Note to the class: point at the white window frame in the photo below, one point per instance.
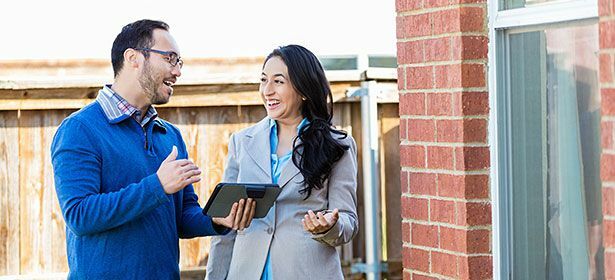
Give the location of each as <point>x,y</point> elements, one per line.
<point>500,22</point>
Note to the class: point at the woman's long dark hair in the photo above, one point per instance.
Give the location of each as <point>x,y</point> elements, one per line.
<point>320,149</point>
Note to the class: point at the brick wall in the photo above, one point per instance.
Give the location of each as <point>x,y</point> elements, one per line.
<point>442,79</point>
<point>606,10</point>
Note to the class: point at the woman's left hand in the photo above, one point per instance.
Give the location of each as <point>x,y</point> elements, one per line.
<point>320,223</point>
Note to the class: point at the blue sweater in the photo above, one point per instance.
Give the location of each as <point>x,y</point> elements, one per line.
<point>119,222</point>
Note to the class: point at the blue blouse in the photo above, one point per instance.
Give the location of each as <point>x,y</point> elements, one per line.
<point>277,164</point>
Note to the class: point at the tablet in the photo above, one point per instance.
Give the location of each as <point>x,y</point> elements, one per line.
<point>225,194</point>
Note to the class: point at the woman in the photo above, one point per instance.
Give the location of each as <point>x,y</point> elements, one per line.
<point>296,147</point>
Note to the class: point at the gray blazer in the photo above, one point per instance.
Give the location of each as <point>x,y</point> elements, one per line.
<point>295,253</point>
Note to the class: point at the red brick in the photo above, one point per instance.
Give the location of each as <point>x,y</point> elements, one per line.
<point>468,1</point>
<point>440,157</point>
<point>408,5</point>
<point>464,19</point>
<point>412,26</point>
<point>449,130</point>
<point>607,35</point>
<point>442,211</point>
<point>410,52</point>
<point>472,158</point>
<point>417,259</point>
<point>478,241</point>
<point>438,49</point>
<point>473,75</point>
<point>476,186</point>
<point>465,131</point>
<point>463,186</point>
<point>607,168</point>
<point>412,156</point>
<point>423,183</point>
<point>422,277</point>
<point>609,233</point>
<point>608,201</point>
<point>401,78</point>
<point>464,75</point>
<point>604,7</point>
<point>609,265</point>
<point>471,104</point>
<point>462,214</point>
<point>418,209</point>
<point>407,275</point>
<point>424,235</point>
<point>403,129</point>
<point>476,213</point>
<point>448,76</point>
<point>439,104</point>
<point>412,104</point>
<point>470,47</point>
<point>445,21</point>
<point>420,77</point>
<point>472,19</point>
<point>476,267</point>
<point>475,130</point>
<point>405,207</point>
<point>444,264</point>
<point>606,68</point>
<point>452,239</point>
<point>405,231</point>
<point>405,183</point>
<point>608,100</point>
<point>436,3</point>
<point>421,130</point>
<point>606,135</point>
<point>451,185</point>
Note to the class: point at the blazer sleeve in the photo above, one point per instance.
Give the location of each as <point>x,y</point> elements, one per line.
<point>342,186</point>
<point>221,249</point>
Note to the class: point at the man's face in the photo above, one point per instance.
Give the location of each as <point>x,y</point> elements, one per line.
<point>158,76</point>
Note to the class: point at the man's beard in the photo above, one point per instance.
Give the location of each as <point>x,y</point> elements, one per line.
<point>150,85</point>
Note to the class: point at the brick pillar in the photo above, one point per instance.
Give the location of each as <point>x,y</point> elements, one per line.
<point>443,108</point>
<point>606,10</point>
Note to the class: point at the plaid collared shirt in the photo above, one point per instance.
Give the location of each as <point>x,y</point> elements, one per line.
<point>114,106</point>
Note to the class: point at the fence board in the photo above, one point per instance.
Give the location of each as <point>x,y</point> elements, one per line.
<point>9,194</point>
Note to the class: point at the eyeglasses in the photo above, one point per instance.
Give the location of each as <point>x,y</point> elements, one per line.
<point>171,56</point>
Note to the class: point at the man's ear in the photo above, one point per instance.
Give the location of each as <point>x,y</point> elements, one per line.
<point>131,58</point>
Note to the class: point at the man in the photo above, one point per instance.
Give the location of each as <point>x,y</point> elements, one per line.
<point>121,173</point>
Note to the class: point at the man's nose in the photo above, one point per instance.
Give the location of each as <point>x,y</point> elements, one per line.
<point>176,71</point>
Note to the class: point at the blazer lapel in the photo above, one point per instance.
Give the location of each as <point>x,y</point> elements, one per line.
<point>288,172</point>
<point>258,146</point>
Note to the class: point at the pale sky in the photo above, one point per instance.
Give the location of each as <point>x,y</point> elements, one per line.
<point>70,29</point>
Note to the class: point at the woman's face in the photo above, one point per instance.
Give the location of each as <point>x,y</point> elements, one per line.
<point>279,96</point>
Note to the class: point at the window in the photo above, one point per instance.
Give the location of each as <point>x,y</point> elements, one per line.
<point>547,120</point>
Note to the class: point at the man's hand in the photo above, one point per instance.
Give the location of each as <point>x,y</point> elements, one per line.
<point>241,215</point>
<point>175,175</point>
<point>321,222</point>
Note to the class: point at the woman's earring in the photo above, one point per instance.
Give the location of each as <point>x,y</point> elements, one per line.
<point>303,98</point>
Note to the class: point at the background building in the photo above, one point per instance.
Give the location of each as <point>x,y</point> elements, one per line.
<point>507,150</point>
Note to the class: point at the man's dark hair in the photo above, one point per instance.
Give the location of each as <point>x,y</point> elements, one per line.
<point>134,35</point>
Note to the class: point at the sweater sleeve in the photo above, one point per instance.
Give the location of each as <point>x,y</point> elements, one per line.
<point>77,167</point>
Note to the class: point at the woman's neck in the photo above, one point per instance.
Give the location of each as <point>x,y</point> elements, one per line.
<point>289,125</point>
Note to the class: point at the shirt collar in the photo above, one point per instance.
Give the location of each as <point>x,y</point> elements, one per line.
<point>117,109</point>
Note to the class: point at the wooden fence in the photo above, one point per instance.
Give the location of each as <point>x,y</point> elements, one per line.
<point>32,231</point>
